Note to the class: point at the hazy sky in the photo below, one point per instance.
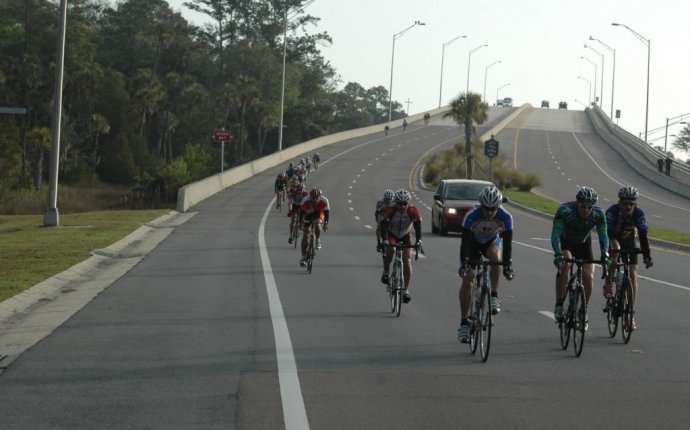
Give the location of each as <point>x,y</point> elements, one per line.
<point>539,44</point>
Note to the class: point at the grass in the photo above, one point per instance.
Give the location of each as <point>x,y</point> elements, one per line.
<point>30,253</point>
<point>549,206</point>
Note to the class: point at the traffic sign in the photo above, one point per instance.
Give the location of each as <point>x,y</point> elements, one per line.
<point>222,136</point>
<point>491,147</point>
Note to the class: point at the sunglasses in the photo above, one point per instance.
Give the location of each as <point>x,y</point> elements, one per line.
<point>628,203</point>
<point>488,209</point>
<point>588,207</point>
<point>401,203</point>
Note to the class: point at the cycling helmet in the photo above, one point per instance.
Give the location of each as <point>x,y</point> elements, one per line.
<point>587,196</point>
<point>315,193</point>
<point>388,195</point>
<point>299,187</point>
<point>490,197</point>
<point>628,193</point>
<point>402,195</point>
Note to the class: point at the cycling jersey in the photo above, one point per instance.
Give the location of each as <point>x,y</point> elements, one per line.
<point>312,210</point>
<point>478,233</point>
<point>280,184</point>
<point>399,224</point>
<point>381,204</point>
<point>569,226</point>
<point>621,227</point>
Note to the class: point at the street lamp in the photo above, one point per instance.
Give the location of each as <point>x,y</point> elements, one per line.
<point>486,71</point>
<point>595,75</point>
<point>679,117</point>
<point>390,87</point>
<point>499,89</point>
<point>443,53</point>
<point>647,42</point>
<point>589,94</point>
<point>52,216</point>
<point>583,105</point>
<point>601,86</point>
<point>613,74</point>
<point>469,61</point>
<point>282,86</point>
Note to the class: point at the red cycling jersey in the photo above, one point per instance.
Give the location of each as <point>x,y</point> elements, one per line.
<point>315,209</point>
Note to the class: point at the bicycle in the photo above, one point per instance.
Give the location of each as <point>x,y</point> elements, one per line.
<point>621,305</point>
<point>396,282</point>
<point>294,229</point>
<point>280,198</point>
<point>311,243</point>
<point>386,129</point>
<point>481,320</point>
<point>574,306</point>
<point>316,165</point>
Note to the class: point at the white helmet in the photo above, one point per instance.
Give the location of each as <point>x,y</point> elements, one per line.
<point>628,193</point>
<point>587,196</point>
<point>490,197</point>
<point>402,195</point>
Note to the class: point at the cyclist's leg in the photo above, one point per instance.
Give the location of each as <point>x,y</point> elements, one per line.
<point>305,233</point>
<point>587,269</point>
<point>493,253</point>
<point>562,281</point>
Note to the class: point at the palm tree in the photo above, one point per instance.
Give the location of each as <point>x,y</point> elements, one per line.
<point>466,109</point>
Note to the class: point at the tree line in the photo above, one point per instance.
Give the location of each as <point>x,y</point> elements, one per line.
<point>144,89</point>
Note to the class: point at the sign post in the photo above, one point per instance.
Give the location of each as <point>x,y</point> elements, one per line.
<point>491,150</point>
<point>222,136</point>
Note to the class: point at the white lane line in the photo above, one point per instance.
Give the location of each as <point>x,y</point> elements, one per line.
<point>294,412</point>
<point>548,314</point>
<point>356,217</point>
<point>368,226</point>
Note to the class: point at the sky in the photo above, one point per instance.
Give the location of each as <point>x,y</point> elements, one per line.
<point>538,43</point>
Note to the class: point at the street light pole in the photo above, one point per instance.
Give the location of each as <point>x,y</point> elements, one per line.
<point>52,216</point>
<point>595,75</point>
<point>469,61</point>
<point>680,121</point>
<point>499,89</point>
<point>589,94</point>
<point>601,82</point>
<point>647,42</point>
<point>613,74</point>
<point>486,71</point>
<point>282,85</point>
<point>390,86</point>
<point>443,53</point>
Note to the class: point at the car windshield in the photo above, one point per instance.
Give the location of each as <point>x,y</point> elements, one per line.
<point>464,191</point>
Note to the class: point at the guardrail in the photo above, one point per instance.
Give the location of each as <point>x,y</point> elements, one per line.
<point>640,156</point>
<point>193,193</point>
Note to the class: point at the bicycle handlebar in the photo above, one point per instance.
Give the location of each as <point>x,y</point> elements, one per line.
<point>400,245</point>
<point>581,261</point>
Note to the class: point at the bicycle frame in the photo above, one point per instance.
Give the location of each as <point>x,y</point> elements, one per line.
<point>481,319</point>
<point>311,243</point>
<point>397,278</point>
<point>621,305</point>
<point>575,306</point>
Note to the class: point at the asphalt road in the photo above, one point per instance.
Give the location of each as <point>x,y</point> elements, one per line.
<point>219,327</point>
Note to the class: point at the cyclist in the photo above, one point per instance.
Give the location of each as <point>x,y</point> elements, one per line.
<point>386,129</point>
<point>404,125</point>
<point>571,237</point>
<point>291,171</point>
<point>296,196</point>
<point>426,118</point>
<point>396,226</point>
<point>622,219</point>
<point>316,159</point>
<point>487,230</point>
<point>279,188</point>
<point>314,209</point>
<point>381,204</point>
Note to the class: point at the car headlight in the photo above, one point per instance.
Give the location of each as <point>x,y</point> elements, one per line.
<point>452,211</point>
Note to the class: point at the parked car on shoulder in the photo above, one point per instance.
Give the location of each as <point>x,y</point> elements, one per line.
<point>452,200</point>
<point>545,104</point>
<point>507,102</point>
<point>563,105</point>
<point>499,102</point>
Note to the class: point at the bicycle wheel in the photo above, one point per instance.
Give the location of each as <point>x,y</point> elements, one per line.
<point>486,321</point>
<point>391,293</point>
<point>399,289</point>
<point>626,310</point>
<point>310,252</point>
<point>579,320</point>
<point>295,233</point>
<point>564,326</point>
<point>611,311</point>
<point>475,322</point>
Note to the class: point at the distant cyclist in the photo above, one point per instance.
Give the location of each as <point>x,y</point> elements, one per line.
<point>623,218</point>
<point>381,204</point>
<point>314,209</point>
<point>404,125</point>
<point>396,226</point>
<point>279,188</point>
<point>316,159</point>
<point>486,230</point>
<point>296,195</point>
<point>426,118</point>
<point>571,237</point>
<point>386,129</point>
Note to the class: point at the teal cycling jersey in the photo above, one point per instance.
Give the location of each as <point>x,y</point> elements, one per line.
<point>568,225</point>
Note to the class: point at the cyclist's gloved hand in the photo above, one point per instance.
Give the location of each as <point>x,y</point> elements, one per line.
<point>379,247</point>
<point>557,260</point>
<point>325,227</point>
<point>418,243</point>
<point>462,271</point>
<point>508,272</point>
<point>648,262</point>
<point>605,260</point>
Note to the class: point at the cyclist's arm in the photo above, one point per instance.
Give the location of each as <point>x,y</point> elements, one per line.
<point>602,228</point>
<point>417,224</point>
<point>556,232</point>
<point>507,246</point>
<point>326,215</point>
<point>465,245</point>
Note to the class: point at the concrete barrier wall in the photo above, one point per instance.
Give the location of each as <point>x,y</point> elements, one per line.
<point>191,194</point>
<point>635,152</point>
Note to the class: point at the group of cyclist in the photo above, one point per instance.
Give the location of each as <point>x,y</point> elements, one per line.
<point>487,230</point>
<point>305,207</point>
